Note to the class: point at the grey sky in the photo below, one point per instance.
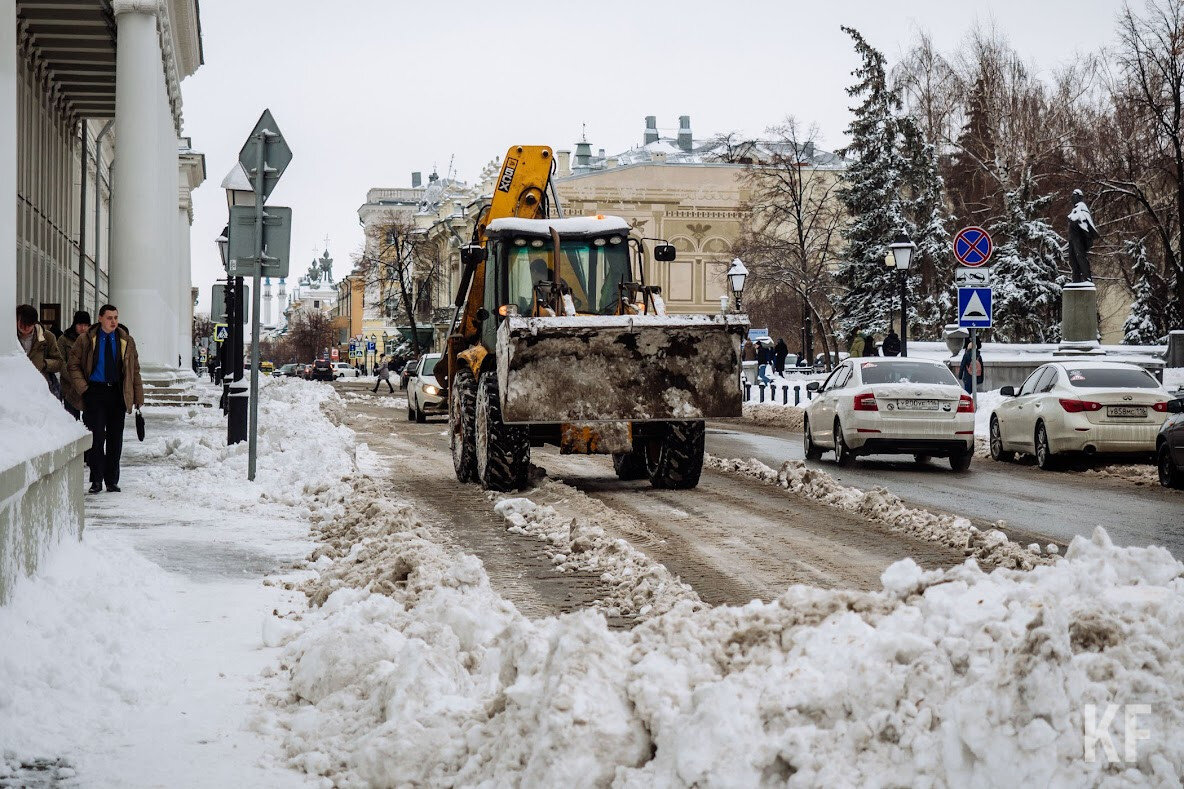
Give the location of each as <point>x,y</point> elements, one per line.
<point>367,91</point>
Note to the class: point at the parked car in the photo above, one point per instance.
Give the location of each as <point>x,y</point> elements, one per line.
<point>322,370</point>
<point>1088,406</point>
<point>408,371</point>
<point>1169,446</point>
<point>890,405</point>
<point>343,370</point>
<point>304,371</point>
<point>285,371</point>
<point>424,395</point>
<point>835,358</point>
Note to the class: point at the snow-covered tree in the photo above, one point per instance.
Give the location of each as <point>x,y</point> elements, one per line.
<point>1024,267</point>
<point>1141,326</point>
<point>871,196</point>
<point>931,301</point>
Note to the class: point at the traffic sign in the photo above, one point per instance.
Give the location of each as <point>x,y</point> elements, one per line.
<point>972,277</point>
<point>218,311</point>
<point>277,239</point>
<point>276,156</point>
<point>221,332</point>
<point>972,246</point>
<point>974,308</point>
<point>333,354</point>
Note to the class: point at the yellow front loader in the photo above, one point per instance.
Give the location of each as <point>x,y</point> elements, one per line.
<point>558,339</point>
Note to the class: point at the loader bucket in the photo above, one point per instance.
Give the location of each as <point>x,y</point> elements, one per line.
<point>619,368</point>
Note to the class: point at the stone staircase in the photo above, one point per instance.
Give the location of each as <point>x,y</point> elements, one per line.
<point>176,394</point>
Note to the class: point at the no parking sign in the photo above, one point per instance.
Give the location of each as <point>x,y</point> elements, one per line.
<point>973,246</point>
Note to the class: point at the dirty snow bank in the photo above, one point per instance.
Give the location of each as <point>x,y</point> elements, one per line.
<point>954,677</point>
<point>991,548</point>
<point>788,416</point>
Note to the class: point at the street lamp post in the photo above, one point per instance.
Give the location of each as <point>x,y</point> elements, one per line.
<point>372,359</point>
<point>901,253</point>
<point>737,274</point>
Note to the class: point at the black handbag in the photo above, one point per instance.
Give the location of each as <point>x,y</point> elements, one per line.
<point>139,425</point>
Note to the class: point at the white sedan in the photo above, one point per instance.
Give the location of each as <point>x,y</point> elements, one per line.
<point>1086,406</point>
<point>424,395</point>
<point>890,405</point>
<point>343,370</point>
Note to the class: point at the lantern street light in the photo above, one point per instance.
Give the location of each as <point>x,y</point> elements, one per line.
<point>901,251</point>
<point>737,274</point>
<point>223,242</point>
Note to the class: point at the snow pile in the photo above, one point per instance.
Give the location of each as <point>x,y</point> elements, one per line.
<point>32,421</point>
<point>1141,476</point>
<point>302,447</point>
<point>639,586</point>
<point>954,677</point>
<point>787,416</point>
<point>990,548</point>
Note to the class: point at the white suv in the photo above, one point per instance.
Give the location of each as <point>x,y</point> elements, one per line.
<point>890,405</point>
<point>343,370</point>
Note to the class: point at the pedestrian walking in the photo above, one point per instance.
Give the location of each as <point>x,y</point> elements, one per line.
<point>104,370</point>
<point>79,327</point>
<point>972,364</point>
<point>384,374</point>
<point>891,345</point>
<point>748,353</point>
<point>855,346</point>
<point>780,351</point>
<point>764,360</point>
<point>40,346</point>
<point>869,345</point>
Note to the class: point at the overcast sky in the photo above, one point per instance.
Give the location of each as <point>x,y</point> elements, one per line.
<point>366,91</point>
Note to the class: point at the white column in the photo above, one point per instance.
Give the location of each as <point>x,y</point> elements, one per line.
<point>184,291</point>
<point>8,343</point>
<point>141,215</point>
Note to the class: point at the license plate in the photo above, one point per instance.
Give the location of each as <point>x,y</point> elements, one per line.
<point>1126,411</point>
<point>917,405</point>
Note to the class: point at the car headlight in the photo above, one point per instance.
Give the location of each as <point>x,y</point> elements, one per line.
<point>432,390</point>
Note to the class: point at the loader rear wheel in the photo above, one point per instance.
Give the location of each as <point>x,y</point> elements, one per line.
<point>503,451</point>
<point>674,458</point>
<point>462,417</point>
<point>629,465</point>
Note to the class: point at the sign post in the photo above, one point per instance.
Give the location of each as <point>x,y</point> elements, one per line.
<point>264,156</point>
<point>973,248</point>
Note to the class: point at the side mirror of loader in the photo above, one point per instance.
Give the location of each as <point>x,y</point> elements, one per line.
<point>471,255</point>
<point>664,253</point>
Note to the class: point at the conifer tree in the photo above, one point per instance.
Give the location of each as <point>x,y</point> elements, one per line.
<point>1144,325</point>
<point>931,279</point>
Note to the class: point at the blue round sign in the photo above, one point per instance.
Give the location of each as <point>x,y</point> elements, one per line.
<point>972,246</point>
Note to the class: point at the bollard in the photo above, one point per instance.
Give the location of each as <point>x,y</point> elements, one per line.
<point>762,393</point>
<point>747,392</point>
<point>784,394</point>
<point>797,395</point>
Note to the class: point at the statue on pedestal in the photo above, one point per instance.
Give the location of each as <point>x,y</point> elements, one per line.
<point>1082,234</point>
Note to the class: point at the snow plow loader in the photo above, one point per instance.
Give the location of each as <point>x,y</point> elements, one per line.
<point>558,339</point>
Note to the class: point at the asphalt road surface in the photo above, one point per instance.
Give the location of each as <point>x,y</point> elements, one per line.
<point>1052,505</point>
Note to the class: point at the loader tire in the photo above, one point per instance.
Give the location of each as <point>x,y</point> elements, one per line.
<point>629,465</point>
<point>503,451</point>
<point>462,421</point>
<point>674,459</point>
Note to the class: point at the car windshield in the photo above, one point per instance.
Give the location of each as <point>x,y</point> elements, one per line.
<point>590,269</point>
<point>1118,377</point>
<point>429,364</point>
<point>906,373</point>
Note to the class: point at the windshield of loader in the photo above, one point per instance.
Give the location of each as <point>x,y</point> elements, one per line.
<point>591,270</point>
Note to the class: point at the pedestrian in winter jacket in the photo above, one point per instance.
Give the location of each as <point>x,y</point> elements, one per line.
<point>972,364</point>
<point>780,351</point>
<point>855,347</point>
<point>891,346</point>
<point>384,374</point>
<point>748,353</point>
<point>79,327</point>
<point>39,345</point>
<point>104,370</point>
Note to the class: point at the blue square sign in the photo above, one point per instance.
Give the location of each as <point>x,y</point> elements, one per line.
<point>974,308</point>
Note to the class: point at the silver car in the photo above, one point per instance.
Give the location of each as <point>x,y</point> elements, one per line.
<point>424,395</point>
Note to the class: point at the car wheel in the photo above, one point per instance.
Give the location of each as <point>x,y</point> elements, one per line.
<point>843,454</point>
<point>960,461</point>
<point>1044,456</point>
<point>921,459</point>
<point>998,453</point>
<point>410,410</point>
<point>1170,475</point>
<point>420,416</point>
<point>813,451</point>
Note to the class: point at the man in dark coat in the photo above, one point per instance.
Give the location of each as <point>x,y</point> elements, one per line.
<point>891,344</point>
<point>79,327</point>
<point>104,370</point>
<point>780,351</point>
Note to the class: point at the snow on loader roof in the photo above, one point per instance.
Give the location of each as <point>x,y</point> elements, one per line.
<point>572,225</point>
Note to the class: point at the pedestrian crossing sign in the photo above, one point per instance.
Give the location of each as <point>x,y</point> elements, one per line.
<point>974,308</point>
<point>221,332</point>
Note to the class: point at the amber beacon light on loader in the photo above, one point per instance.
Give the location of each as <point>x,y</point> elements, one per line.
<point>558,339</point>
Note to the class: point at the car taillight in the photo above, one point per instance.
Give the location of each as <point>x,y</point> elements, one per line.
<point>865,402</point>
<point>1161,407</point>
<point>1077,406</point>
<point>965,404</point>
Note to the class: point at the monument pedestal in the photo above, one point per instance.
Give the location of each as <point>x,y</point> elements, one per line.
<point>1079,319</point>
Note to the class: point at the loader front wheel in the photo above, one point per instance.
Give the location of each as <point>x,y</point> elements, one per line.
<point>629,465</point>
<point>503,451</point>
<point>462,418</point>
<point>674,458</point>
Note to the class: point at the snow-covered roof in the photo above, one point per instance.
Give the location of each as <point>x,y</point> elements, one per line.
<point>573,225</point>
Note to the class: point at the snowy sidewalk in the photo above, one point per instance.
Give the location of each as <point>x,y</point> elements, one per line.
<point>137,657</point>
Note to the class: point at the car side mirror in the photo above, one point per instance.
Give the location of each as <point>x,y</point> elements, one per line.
<point>1176,406</point>
<point>812,386</point>
<point>1007,391</point>
<point>664,253</point>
